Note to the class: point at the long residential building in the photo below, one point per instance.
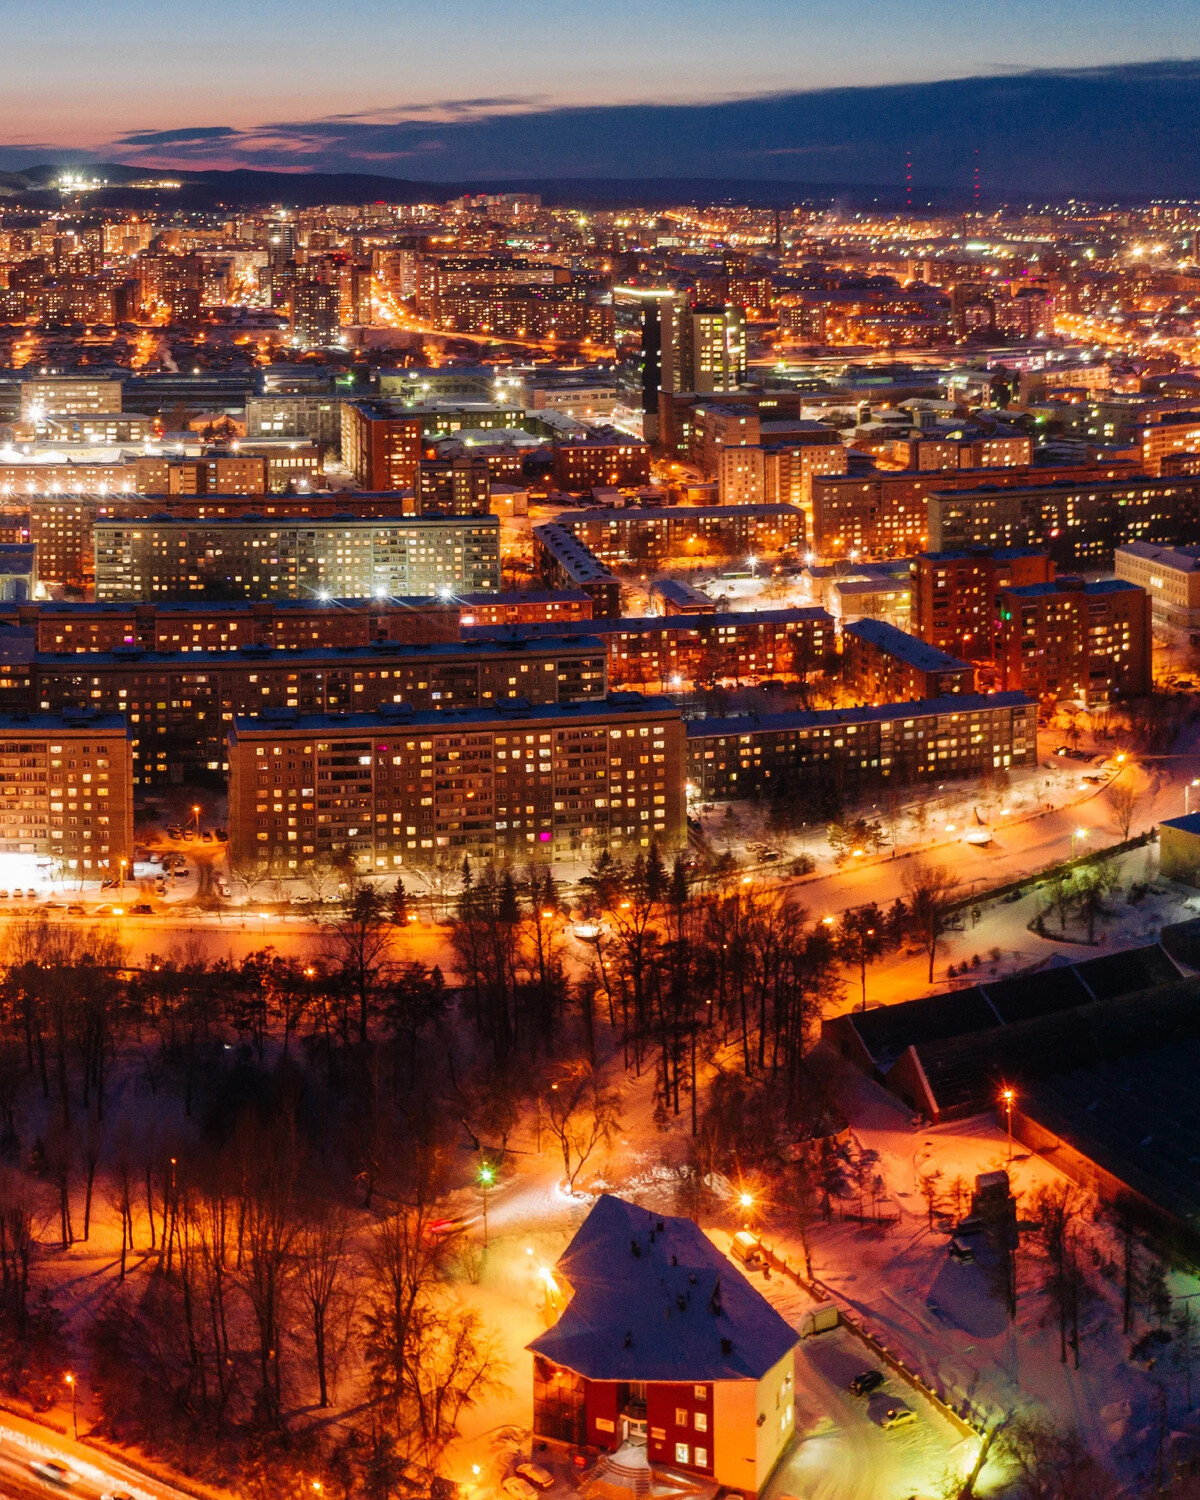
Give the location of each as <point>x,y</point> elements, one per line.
<point>180,703</point>
<point>256,558</point>
<point>1080,525</point>
<point>854,749</point>
<point>638,536</point>
<point>66,791</point>
<point>400,789</point>
<point>673,651</point>
<point>287,624</point>
<point>885,513</point>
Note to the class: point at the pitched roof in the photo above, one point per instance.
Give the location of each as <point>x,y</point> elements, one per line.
<point>654,1299</point>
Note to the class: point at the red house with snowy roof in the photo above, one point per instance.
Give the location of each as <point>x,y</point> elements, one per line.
<point>662,1339</point>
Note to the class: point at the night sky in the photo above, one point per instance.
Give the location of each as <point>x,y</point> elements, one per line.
<point>454,89</point>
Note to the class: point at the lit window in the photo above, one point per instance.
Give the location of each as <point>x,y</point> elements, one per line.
<point>681,1453</point>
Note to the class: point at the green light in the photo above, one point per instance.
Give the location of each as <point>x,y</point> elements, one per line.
<point>487,1176</point>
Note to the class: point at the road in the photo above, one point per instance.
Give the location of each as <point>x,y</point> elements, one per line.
<point>96,1474</point>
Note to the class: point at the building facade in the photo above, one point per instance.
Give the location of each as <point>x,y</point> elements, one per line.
<point>255,558</point>
<point>954,594</point>
<point>179,704</point>
<point>853,750</point>
<point>1075,640</point>
<point>1170,576</point>
<point>66,791</point>
<point>391,791</point>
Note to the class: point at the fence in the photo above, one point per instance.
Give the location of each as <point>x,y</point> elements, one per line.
<point>969,1423</point>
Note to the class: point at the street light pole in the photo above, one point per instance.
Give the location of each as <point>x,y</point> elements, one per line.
<point>487,1176</point>
<point>1008,1097</point>
<point>70,1379</point>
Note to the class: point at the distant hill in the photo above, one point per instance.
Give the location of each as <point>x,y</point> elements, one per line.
<point>243,189</point>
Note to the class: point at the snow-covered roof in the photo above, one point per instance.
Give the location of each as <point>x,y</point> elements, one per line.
<point>654,1299</point>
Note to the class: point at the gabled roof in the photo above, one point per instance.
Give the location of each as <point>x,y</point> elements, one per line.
<point>654,1299</point>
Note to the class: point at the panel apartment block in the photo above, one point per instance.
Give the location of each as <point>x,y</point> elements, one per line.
<point>854,749</point>
<point>398,790</point>
<point>164,558</point>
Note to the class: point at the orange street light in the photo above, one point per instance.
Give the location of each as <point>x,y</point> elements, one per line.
<point>1008,1095</point>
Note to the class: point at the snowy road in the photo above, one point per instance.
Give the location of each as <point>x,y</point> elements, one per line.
<point>95,1474</point>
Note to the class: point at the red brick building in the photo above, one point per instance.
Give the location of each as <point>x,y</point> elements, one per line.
<point>1075,640</point>
<point>380,445</point>
<point>954,594</point>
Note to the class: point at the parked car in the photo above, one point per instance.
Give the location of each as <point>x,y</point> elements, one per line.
<point>221,834</point>
<point>74,910</point>
<point>518,1488</point>
<point>207,836</point>
<point>53,1470</point>
<point>142,909</point>
<point>898,1416</point>
<point>960,1250</point>
<point>536,1475</point>
<point>868,1381</point>
<point>30,893</point>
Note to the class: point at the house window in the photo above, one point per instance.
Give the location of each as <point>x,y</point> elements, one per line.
<point>681,1416</point>
<point>700,1392</point>
<point>701,1421</point>
<point>702,1458</point>
<point>681,1453</point>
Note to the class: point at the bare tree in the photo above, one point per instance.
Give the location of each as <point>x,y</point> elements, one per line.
<point>581,1114</point>
<point>1123,799</point>
<point>321,1262</point>
<point>428,1358</point>
<point>927,889</point>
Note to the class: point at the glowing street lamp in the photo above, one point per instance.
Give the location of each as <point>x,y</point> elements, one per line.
<point>196,815</point>
<point>70,1380</point>
<point>486,1179</point>
<point>1077,836</point>
<point>1007,1096</point>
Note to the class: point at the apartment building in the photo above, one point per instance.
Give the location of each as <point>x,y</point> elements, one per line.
<point>66,791</point>
<point>1170,576</point>
<point>887,665</point>
<point>1069,639</point>
<point>851,750</point>
<point>180,703</point>
<point>1078,524</point>
<point>954,594</point>
<point>255,558</point>
<point>397,790</point>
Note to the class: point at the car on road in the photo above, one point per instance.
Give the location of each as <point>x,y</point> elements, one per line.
<point>74,910</point>
<point>960,1250</point>
<point>868,1381</point>
<point>142,909</point>
<point>898,1416</point>
<point>536,1475</point>
<point>518,1488</point>
<point>53,1470</point>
